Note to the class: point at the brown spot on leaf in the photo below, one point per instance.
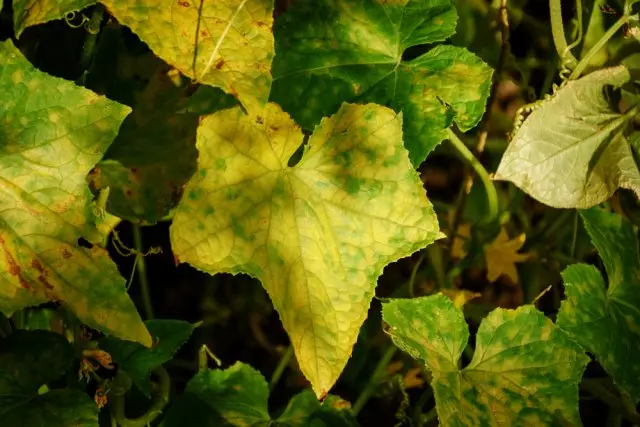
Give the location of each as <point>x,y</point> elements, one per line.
<point>259,120</point>
<point>183,3</point>
<point>14,268</point>
<point>219,63</point>
<point>66,254</point>
<point>204,33</point>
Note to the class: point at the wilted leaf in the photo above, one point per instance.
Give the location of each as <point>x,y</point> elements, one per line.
<point>29,359</point>
<point>606,321</point>
<point>502,256</point>
<point>27,13</point>
<point>317,234</point>
<point>525,370</point>
<point>223,43</point>
<point>138,361</point>
<point>571,151</point>
<point>330,51</point>
<point>51,134</point>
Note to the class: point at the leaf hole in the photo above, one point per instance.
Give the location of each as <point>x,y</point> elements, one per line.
<point>84,243</point>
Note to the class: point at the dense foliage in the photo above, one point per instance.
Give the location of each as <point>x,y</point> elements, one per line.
<point>172,172</point>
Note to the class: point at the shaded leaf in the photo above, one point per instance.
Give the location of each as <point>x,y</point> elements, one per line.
<point>325,55</point>
<point>305,410</point>
<point>571,151</point>
<point>502,256</point>
<point>138,361</point>
<point>51,134</point>
<point>27,13</point>
<point>524,371</point>
<point>236,396</point>
<point>29,359</point>
<point>230,41</point>
<point>607,321</point>
<point>318,234</point>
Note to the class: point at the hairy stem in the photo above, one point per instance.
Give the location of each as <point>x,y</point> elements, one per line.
<point>559,38</point>
<point>160,398</point>
<point>93,29</point>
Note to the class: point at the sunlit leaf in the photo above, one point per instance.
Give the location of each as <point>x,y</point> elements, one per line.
<point>317,234</point>
<point>524,372</point>
<point>138,361</point>
<point>606,321</point>
<point>51,134</point>
<point>571,152</point>
<point>223,43</point>
<point>330,51</point>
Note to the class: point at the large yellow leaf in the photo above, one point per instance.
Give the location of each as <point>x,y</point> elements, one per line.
<point>317,234</point>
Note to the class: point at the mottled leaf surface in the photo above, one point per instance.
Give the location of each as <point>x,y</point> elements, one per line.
<point>138,361</point>
<point>51,134</point>
<point>29,359</point>
<point>606,321</point>
<point>223,43</point>
<point>330,51</point>
<point>571,151</point>
<point>236,396</point>
<point>27,13</point>
<point>317,234</point>
<point>525,371</point>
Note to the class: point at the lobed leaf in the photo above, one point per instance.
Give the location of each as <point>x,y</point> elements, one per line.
<point>605,321</point>
<point>330,51</point>
<point>571,152</point>
<point>51,134</point>
<point>524,371</point>
<point>317,234</point>
<point>27,13</point>
<point>138,361</point>
<point>223,43</point>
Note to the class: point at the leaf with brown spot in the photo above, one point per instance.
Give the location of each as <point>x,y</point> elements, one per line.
<point>52,133</point>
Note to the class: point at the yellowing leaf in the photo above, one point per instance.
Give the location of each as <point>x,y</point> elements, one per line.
<point>317,234</point>
<point>223,43</point>
<point>52,133</point>
<point>502,255</point>
<point>460,297</point>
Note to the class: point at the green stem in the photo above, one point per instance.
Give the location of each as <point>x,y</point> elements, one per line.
<point>598,390</point>
<point>584,61</point>
<point>559,38</point>
<point>93,28</point>
<point>142,272</point>
<point>375,378</point>
<point>492,194</point>
<point>160,398</point>
<point>282,365</point>
<point>424,398</point>
<point>414,272</point>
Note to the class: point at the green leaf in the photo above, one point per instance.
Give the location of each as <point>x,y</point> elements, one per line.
<point>318,234</point>
<point>138,361</point>
<point>151,159</point>
<point>330,51</point>
<point>525,370</point>
<point>236,396</point>
<point>27,13</point>
<point>56,408</point>
<point>571,151</point>
<point>51,134</point>
<point>223,43</point>
<point>304,410</point>
<point>29,359</point>
<point>606,321</point>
